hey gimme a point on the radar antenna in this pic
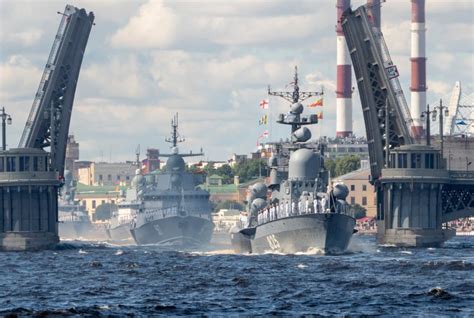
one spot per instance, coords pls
(295, 96)
(175, 138)
(137, 153)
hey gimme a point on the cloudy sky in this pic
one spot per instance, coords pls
(211, 61)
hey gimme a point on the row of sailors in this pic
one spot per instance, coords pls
(151, 213)
(278, 211)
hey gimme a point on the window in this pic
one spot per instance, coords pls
(429, 161)
(84, 203)
(93, 204)
(364, 201)
(2, 167)
(113, 201)
(102, 202)
(364, 187)
(392, 160)
(24, 163)
(127, 178)
(11, 163)
(109, 177)
(353, 187)
(402, 160)
(415, 160)
(100, 177)
(118, 177)
(353, 200)
(35, 163)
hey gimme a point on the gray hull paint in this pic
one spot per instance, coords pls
(74, 230)
(328, 232)
(187, 230)
(120, 233)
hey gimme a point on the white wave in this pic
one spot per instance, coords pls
(119, 252)
(406, 252)
(81, 251)
(302, 266)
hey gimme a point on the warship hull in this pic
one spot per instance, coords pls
(74, 230)
(174, 230)
(329, 233)
(120, 233)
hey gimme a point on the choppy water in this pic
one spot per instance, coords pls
(99, 279)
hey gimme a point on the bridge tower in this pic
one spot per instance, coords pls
(416, 194)
(31, 175)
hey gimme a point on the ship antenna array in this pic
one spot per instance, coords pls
(295, 96)
(175, 138)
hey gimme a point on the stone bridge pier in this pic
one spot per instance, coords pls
(417, 196)
(412, 209)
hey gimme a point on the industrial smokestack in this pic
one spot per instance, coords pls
(373, 13)
(418, 65)
(344, 78)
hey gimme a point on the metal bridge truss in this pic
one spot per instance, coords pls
(458, 197)
(379, 88)
(48, 122)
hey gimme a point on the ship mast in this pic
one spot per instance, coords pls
(175, 138)
(295, 97)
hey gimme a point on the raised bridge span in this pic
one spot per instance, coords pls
(416, 193)
(31, 175)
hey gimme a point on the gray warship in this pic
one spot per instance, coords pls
(118, 229)
(73, 219)
(173, 211)
(296, 211)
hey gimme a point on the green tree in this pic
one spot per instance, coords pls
(347, 164)
(251, 169)
(330, 165)
(357, 211)
(104, 211)
(225, 171)
(229, 204)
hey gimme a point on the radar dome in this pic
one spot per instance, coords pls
(175, 163)
(296, 108)
(340, 191)
(259, 190)
(302, 134)
(257, 205)
(138, 181)
(304, 165)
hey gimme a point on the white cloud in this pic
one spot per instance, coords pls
(211, 61)
(170, 25)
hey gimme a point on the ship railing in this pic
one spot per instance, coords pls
(69, 218)
(159, 213)
(282, 211)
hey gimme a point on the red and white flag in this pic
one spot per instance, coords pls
(264, 104)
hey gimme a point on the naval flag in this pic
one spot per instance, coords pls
(319, 102)
(264, 104)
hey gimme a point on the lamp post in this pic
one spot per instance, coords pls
(427, 113)
(441, 118)
(6, 118)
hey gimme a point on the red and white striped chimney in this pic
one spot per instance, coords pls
(344, 78)
(418, 65)
(373, 13)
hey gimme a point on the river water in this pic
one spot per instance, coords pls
(83, 278)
